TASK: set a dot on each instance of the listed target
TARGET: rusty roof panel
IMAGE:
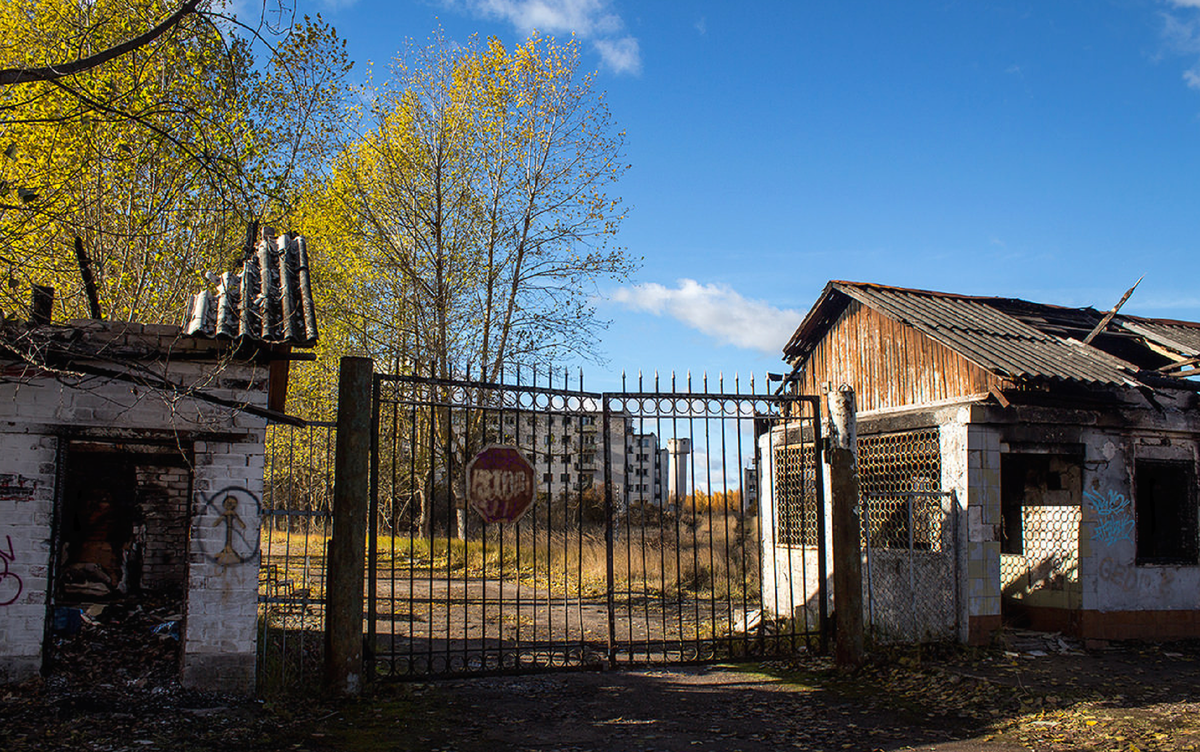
(268, 300)
(991, 338)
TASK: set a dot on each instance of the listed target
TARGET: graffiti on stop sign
(500, 483)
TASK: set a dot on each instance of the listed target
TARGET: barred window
(796, 496)
(894, 471)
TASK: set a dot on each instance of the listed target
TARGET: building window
(900, 477)
(546, 477)
(565, 477)
(796, 495)
(1166, 512)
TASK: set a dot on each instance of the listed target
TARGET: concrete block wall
(1122, 599)
(971, 469)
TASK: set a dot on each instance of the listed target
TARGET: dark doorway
(121, 566)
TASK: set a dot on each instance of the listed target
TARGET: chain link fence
(909, 538)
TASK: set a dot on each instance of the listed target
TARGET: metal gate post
(344, 585)
(373, 528)
(822, 544)
(608, 534)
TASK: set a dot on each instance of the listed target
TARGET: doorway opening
(121, 562)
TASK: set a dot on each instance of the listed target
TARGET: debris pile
(121, 642)
(1030, 644)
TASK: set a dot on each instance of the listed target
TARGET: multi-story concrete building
(750, 487)
(567, 453)
(646, 468)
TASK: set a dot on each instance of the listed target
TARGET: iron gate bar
(457, 405)
(373, 528)
(292, 600)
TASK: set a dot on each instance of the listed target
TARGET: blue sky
(1042, 150)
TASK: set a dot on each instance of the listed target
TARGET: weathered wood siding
(890, 364)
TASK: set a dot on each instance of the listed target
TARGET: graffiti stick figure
(230, 517)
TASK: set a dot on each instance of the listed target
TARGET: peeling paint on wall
(14, 487)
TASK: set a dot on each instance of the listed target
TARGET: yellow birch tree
(155, 158)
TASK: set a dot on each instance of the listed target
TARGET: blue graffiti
(1115, 523)
(1110, 531)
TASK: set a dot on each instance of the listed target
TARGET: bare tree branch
(12, 76)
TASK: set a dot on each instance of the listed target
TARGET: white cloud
(1182, 35)
(592, 20)
(621, 55)
(718, 311)
(702, 25)
(584, 17)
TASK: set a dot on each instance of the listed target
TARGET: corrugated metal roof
(992, 339)
(1183, 337)
(269, 300)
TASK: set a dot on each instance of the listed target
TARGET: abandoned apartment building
(131, 469)
(1019, 464)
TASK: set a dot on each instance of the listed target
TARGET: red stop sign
(500, 483)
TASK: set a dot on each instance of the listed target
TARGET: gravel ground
(1039, 693)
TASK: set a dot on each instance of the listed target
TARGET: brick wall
(223, 558)
(163, 493)
(26, 503)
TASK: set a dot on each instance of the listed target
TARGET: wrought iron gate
(643, 544)
(297, 521)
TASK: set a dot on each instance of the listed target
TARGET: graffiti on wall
(1153, 584)
(14, 487)
(1115, 521)
(237, 542)
(10, 582)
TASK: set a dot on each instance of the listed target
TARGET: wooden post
(847, 551)
(41, 306)
(89, 282)
(347, 548)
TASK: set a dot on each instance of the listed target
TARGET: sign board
(500, 483)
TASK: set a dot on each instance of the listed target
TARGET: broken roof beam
(1109, 316)
(1180, 365)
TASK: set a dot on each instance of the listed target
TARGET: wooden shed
(1020, 463)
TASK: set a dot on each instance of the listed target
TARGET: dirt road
(1041, 695)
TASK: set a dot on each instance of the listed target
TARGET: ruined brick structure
(131, 465)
